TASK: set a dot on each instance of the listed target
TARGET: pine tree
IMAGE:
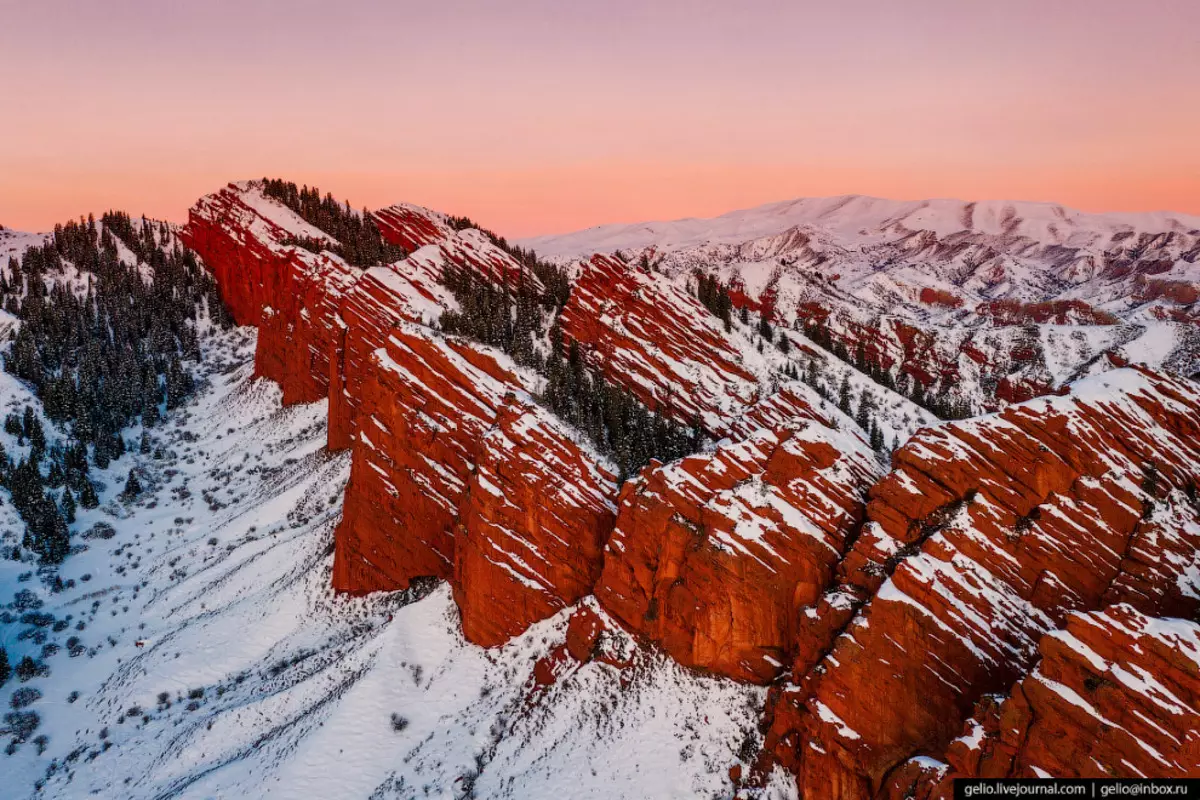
(863, 417)
(876, 436)
(53, 539)
(87, 495)
(100, 455)
(5, 669)
(68, 505)
(844, 395)
(764, 328)
(133, 487)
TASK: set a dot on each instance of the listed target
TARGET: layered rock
(713, 556)
(964, 588)
(532, 524)
(649, 336)
(317, 315)
(291, 294)
(426, 404)
(983, 538)
(1115, 695)
(367, 313)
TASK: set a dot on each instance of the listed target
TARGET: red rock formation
(419, 411)
(651, 337)
(532, 524)
(986, 534)
(1116, 694)
(940, 297)
(368, 311)
(299, 300)
(592, 635)
(1058, 312)
(986, 537)
(714, 555)
(412, 227)
(290, 293)
(425, 406)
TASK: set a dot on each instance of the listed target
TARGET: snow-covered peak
(851, 217)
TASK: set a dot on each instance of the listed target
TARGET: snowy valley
(831, 498)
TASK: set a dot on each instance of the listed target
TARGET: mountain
(970, 297)
(446, 517)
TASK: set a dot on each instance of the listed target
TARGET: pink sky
(539, 117)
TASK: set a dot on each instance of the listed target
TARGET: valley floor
(253, 679)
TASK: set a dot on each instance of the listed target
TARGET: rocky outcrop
(532, 524)
(426, 404)
(367, 314)
(1020, 577)
(434, 423)
(649, 336)
(713, 556)
(291, 294)
(983, 538)
(317, 315)
(1115, 695)
(1057, 312)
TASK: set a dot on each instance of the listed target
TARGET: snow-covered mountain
(970, 279)
(694, 515)
(872, 220)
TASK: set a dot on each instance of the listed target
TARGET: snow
(300, 684)
(826, 715)
(851, 215)
(276, 214)
(868, 261)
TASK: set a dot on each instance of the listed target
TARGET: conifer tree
(87, 495)
(133, 487)
(863, 417)
(844, 395)
(68, 505)
(876, 436)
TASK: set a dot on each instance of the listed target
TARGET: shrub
(25, 696)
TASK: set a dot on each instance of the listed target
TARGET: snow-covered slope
(534, 625)
(982, 282)
(869, 219)
(255, 678)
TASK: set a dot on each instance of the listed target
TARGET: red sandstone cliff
(973, 588)
(291, 294)
(650, 337)
(425, 405)
(983, 538)
(1116, 694)
(532, 524)
(713, 556)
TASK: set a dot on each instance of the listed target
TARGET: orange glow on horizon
(544, 118)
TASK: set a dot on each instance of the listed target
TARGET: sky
(545, 116)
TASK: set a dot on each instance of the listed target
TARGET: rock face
(367, 313)
(532, 524)
(982, 539)
(317, 315)
(457, 474)
(1116, 694)
(435, 424)
(714, 555)
(1009, 600)
(652, 338)
(426, 404)
(290, 293)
